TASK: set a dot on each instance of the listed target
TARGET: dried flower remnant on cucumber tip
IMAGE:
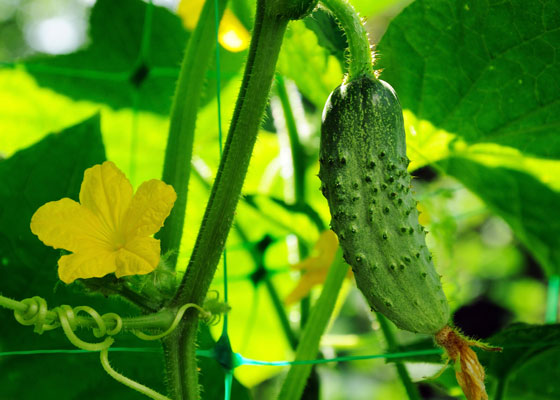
(468, 370)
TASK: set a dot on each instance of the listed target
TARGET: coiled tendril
(106, 325)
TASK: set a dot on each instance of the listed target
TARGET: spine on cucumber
(365, 180)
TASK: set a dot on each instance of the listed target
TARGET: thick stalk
(178, 153)
(308, 346)
(409, 386)
(361, 60)
(181, 366)
(258, 256)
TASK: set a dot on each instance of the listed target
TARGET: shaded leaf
(528, 362)
(521, 343)
(483, 70)
(527, 205)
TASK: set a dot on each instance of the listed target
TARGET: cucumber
(363, 169)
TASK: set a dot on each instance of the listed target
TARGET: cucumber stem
(308, 347)
(178, 153)
(361, 60)
(409, 386)
(180, 346)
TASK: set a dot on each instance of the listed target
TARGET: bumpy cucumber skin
(365, 180)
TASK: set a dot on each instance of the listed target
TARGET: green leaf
(47, 171)
(133, 59)
(315, 72)
(528, 364)
(527, 205)
(329, 33)
(520, 342)
(483, 70)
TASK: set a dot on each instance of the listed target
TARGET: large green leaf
(483, 70)
(527, 205)
(133, 59)
(528, 365)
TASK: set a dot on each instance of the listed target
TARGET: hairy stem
(178, 153)
(182, 371)
(409, 386)
(361, 61)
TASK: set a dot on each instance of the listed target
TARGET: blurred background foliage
(482, 128)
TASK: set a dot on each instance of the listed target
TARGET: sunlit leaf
(528, 206)
(482, 71)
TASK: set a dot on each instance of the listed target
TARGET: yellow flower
(316, 267)
(109, 230)
(232, 35)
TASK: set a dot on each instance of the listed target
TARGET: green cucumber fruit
(365, 180)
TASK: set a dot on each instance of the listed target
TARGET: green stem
(181, 365)
(308, 346)
(278, 306)
(361, 60)
(409, 386)
(298, 155)
(178, 153)
(104, 357)
(298, 165)
(500, 389)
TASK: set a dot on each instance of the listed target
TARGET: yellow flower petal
(316, 267)
(65, 224)
(149, 208)
(139, 256)
(309, 280)
(232, 35)
(107, 193)
(90, 264)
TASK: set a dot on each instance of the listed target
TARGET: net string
(241, 360)
(224, 340)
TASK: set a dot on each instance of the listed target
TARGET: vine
(34, 312)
